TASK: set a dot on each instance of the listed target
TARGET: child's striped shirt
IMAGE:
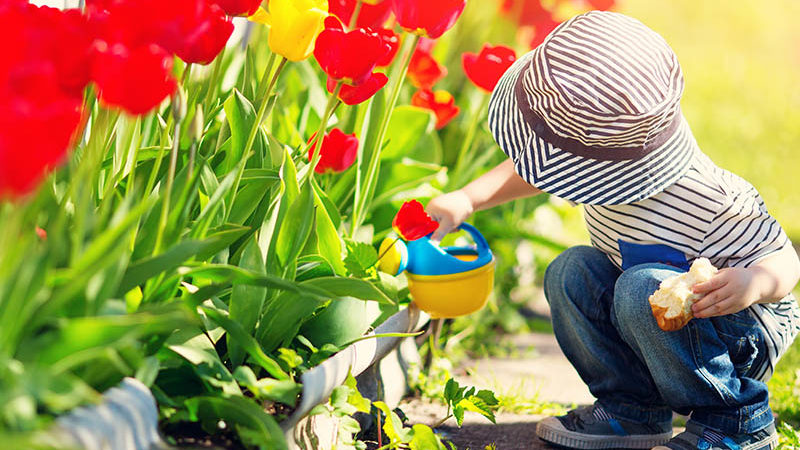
(710, 213)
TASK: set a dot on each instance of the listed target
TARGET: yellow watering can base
(448, 296)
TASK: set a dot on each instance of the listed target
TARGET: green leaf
(282, 318)
(475, 404)
(296, 226)
(241, 117)
(360, 260)
(61, 349)
(148, 371)
(424, 439)
(247, 342)
(339, 287)
(248, 199)
(393, 426)
(210, 210)
(355, 398)
(281, 391)
(313, 266)
(329, 243)
(141, 271)
(246, 301)
(261, 429)
(103, 246)
(451, 392)
(404, 175)
(194, 346)
(290, 358)
(458, 413)
(339, 402)
(408, 123)
(225, 275)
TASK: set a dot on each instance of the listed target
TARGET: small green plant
(460, 399)
(789, 437)
(344, 402)
(417, 437)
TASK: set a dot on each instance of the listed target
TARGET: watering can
(445, 282)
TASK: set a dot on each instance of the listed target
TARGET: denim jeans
(605, 327)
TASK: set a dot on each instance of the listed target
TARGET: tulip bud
(179, 105)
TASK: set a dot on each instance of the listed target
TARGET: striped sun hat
(593, 114)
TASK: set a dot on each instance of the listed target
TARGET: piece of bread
(672, 302)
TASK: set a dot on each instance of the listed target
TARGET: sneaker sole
(769, 444)
(555, 433)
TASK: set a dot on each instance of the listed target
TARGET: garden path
(540, 377)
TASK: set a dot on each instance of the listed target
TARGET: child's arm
(734, 288)
(499, 185)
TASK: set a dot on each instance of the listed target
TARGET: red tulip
(239, 7)
(204, 37)
(525, 12)
(542, 28)
(424, 71)
(136, 80)
(339, 151)
(390, 38)
(34, 139)
(353, 95)
(349, 56)
(426, 17)
(441, 103)
(42, 76)
(412, 222)
(602, 5)
(194, 30)
(41, 234)
(486, 68)
(63, 38)
(370, 16)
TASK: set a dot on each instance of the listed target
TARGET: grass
(742, 98)
(784, 390)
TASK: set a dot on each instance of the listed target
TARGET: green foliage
(192, 259)
(460, 399)
(361, 260)
(789, 437)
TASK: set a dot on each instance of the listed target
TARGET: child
(593, 116)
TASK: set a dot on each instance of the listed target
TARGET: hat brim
(577, 178)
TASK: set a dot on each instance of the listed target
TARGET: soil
(540, 376)
(191, 436)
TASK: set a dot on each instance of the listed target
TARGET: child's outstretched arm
(499, 185)
(734, 288)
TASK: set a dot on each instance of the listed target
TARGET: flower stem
(213, 82)
(363, 190)
(383, 253)
(469, 139)
(356, 12)
(333, 102)
(177, 104)
(265, 90)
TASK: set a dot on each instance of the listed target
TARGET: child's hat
(593, 114)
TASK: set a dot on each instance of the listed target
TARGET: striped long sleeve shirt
(711, 213)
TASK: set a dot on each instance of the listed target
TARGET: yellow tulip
(294, 26)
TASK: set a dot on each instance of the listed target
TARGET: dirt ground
(544, 375)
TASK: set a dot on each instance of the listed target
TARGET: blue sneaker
(591, 427)
(697, 437)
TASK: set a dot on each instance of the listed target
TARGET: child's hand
(450, 210)
(731, 290)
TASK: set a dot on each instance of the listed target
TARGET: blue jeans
(605, 327)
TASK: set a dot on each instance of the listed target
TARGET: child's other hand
(731, 290)
(450, 210)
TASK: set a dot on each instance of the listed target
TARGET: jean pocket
(744, 339)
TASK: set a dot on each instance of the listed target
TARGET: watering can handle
(480, 241)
